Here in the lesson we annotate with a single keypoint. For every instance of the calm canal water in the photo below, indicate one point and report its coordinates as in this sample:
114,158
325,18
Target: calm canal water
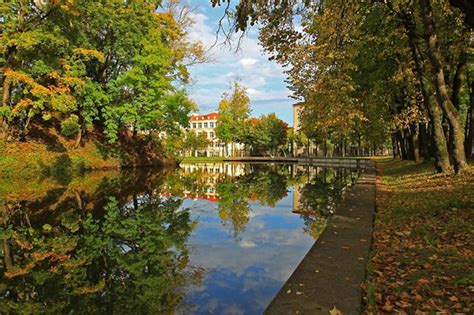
203,239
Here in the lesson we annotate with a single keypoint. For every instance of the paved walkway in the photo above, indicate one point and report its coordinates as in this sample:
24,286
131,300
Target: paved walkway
332,272
317,161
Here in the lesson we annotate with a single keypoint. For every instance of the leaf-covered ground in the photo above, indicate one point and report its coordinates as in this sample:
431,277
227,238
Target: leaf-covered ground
423,241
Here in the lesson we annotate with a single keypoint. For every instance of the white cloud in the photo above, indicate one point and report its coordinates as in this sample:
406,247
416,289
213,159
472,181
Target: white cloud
249,65
248,62
247,244
256,81
254,94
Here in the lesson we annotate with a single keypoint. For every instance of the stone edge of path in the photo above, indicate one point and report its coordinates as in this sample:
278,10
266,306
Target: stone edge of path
333,271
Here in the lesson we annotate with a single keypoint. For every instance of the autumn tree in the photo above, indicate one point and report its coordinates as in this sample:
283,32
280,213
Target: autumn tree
113,66
367,70
234,110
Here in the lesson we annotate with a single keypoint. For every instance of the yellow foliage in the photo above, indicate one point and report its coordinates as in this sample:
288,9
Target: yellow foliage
21,77
54,75
24,244
68,6
57,89
17,76
89,53
22,105
93,289
73,81
169,25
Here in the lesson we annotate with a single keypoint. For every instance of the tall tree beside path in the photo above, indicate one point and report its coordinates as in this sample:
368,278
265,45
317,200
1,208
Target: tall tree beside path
364,70
442,94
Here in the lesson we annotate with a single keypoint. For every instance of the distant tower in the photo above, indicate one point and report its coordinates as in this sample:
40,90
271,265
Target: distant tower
297,108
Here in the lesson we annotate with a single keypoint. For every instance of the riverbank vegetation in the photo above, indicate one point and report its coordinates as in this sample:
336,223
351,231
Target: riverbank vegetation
108,74
422,253
368,73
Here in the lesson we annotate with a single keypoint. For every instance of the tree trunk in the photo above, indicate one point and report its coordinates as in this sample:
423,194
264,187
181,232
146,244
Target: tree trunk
423,143
415,144
359,146
470,122
442,156
444,101
457,80
82,127
7,258
409,144
402,146
395,151
6,89
78,139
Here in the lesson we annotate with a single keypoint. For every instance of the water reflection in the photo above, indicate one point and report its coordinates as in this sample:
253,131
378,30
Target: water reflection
208,237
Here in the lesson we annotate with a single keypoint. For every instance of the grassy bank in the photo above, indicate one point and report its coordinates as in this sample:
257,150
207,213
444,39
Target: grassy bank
32,159
31,168
46,153
422,253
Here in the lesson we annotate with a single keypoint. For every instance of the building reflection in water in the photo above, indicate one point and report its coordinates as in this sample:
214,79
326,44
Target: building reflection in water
120,242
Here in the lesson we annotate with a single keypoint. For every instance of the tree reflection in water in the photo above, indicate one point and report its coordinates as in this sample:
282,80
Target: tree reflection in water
316,191
118,243
131,260
319,196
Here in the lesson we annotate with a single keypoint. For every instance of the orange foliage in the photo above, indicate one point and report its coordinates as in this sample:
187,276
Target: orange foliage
15,272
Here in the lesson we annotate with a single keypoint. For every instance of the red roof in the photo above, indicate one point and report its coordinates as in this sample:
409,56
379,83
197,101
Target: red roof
210,116
191,196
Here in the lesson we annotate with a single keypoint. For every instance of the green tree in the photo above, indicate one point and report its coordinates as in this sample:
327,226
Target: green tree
234,110
195,141
270,134
114,65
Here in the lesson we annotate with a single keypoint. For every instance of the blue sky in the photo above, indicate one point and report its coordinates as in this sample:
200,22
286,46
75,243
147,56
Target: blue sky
263,79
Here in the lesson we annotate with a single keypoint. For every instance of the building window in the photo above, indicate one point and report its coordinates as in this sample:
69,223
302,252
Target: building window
211,125
217,124
194,125
200,125
205,125
211,134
